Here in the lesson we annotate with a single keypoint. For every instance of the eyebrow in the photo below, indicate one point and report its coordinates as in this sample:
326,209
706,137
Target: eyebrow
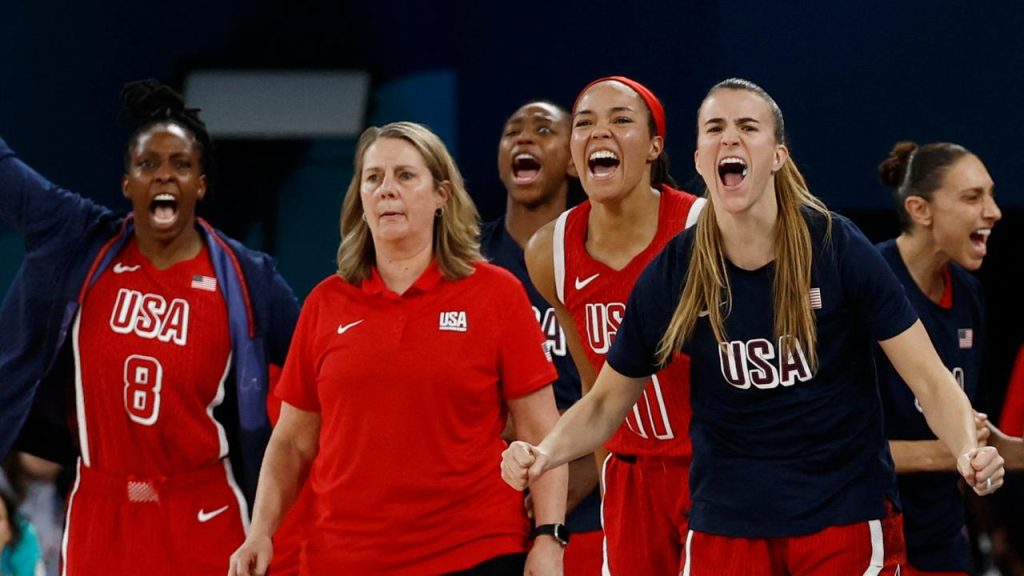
744,120
396,168
613,110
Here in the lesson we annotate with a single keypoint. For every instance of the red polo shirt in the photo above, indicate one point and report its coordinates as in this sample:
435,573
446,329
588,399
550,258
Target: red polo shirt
412,389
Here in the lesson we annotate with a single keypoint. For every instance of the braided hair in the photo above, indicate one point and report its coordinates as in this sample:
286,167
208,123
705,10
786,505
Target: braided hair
146,103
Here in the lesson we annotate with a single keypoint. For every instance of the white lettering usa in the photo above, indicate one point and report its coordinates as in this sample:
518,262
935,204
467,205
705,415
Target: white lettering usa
150,316
758,363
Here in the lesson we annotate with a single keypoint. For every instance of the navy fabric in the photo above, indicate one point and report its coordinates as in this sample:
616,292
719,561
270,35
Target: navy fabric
933,507
779,451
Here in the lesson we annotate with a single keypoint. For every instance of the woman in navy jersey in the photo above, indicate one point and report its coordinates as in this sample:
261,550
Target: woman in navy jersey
778,302
585,263
404,370
157,332
947,210
536,169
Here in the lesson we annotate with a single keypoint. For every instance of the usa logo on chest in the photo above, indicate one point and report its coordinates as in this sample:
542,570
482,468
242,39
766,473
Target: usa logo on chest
150,316
453,322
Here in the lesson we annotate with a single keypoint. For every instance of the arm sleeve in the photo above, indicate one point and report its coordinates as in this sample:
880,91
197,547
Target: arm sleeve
524,359
298,384
648,312
878,296
33,206
284,313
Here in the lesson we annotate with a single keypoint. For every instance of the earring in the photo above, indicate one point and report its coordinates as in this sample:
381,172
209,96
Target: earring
438,213
363,216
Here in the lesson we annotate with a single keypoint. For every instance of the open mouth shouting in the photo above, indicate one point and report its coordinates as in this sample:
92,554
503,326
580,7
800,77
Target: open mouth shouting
979,240
525,168
732,171
603,163
164,210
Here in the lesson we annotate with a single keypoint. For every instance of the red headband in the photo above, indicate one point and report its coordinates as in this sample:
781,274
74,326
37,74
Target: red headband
653,104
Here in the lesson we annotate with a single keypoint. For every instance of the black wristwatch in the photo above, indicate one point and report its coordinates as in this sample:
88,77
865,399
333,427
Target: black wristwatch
557,531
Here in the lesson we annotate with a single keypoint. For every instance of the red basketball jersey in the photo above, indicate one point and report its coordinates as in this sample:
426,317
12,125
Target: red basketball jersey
596,296
151,356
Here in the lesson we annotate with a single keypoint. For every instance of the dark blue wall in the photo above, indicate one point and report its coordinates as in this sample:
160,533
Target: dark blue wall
851,77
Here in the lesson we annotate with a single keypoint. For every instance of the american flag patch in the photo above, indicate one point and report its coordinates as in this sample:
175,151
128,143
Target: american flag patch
815,298
208,283
966,337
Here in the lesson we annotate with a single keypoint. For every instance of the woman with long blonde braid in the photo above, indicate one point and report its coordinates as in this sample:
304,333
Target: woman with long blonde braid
778,303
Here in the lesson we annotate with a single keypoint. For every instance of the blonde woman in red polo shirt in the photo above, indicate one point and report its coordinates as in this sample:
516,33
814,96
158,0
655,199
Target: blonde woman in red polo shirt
404,367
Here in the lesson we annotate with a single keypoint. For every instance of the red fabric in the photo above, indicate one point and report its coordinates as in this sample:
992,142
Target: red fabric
648,500
153,352
584,554
849,549
1012,419
653,104
186,524
413,391
659,423
946,302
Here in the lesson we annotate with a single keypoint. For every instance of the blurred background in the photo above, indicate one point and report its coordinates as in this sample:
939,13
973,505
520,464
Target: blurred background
852,78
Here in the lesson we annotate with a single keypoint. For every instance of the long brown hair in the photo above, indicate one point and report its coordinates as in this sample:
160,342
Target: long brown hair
707,283
456,229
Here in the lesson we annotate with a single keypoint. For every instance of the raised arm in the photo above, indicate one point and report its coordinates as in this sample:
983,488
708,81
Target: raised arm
36,208
292,448
945,406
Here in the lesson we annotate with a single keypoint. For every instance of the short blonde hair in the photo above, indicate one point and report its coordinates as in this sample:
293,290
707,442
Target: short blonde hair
456,230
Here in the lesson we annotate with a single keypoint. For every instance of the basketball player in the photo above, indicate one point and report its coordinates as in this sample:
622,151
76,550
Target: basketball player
947,210
535,167
169,327
585,264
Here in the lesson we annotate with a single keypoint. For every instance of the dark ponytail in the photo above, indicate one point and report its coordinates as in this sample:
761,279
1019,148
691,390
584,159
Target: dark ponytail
911,170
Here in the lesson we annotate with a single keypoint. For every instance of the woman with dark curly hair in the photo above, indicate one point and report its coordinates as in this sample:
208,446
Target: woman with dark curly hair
161,330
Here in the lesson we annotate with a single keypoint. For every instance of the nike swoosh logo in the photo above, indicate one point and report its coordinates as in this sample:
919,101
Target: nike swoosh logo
205,516
581,284
345,327
121,268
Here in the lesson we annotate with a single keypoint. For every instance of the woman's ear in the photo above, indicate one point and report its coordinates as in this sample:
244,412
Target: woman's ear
781,155
919,209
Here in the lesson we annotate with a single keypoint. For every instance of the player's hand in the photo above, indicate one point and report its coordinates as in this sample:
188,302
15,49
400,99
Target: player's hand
252,558
545,558
982,469
521,464
981,425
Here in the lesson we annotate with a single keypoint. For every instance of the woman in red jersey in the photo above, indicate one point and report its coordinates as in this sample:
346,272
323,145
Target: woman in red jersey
159,330
404,368
585,264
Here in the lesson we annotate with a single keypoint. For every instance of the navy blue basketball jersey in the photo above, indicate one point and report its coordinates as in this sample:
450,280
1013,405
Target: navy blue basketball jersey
498,247
778,449
933,507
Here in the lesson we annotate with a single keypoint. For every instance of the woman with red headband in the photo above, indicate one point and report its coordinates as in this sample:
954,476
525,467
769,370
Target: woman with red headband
585,263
